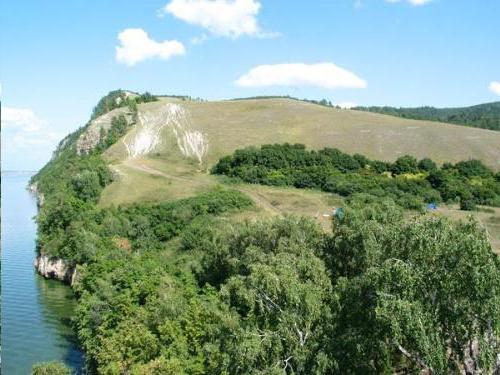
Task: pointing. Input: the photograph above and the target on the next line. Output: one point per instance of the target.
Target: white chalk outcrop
(55, 268)
(191, 142)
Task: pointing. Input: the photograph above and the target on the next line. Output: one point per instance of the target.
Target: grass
(228, 125)
(234, 124)
(158, 178)
(490, 220)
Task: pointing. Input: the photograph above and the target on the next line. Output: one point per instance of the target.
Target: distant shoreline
(17, 173)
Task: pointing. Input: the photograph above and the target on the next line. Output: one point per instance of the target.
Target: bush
(427, 165)
(473, 168)
(467, 205)
(87, 186)
(50, 368)
(405, 164)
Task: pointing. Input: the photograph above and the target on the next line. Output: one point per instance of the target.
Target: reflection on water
(35, 312)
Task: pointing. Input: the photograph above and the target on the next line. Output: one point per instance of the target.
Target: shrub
(427, 165)
(467, 205)
(405, 164)
(50, 368)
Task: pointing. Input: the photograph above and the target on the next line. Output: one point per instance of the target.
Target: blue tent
(432, 206)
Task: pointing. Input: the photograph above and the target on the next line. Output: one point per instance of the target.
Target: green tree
(427, 165)
(87, 186)
(420, 292)
(405, 164)
(50, 368)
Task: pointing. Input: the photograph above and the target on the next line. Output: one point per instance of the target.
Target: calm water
(35, 311)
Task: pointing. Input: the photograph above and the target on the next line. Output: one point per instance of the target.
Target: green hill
(486, 116)
(183, 260)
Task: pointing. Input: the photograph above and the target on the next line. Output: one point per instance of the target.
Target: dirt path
(261, 201)
(141, 167)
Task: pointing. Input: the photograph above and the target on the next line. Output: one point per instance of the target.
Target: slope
(486, 116)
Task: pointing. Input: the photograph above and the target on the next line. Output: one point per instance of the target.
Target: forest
(486, 116)
(411, 183)
(181, 288)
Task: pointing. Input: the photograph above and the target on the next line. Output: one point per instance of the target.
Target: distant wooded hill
(486, 116)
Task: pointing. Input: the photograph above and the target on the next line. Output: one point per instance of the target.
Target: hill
(227, 125)
(168, 153)
(189, 273)
(486, 116)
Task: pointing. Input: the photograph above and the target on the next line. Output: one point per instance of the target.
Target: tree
(423, 291)
(473, 168)
(50, 368)
(87, 186)
(405, 164)
(427, 165)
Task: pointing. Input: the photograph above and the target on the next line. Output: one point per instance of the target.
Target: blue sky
(57, 58)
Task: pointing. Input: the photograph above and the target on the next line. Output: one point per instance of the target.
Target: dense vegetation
(378, 295)
(50, 368)
(120, 98)
(409, 182)
(177, 288)
(485, 116)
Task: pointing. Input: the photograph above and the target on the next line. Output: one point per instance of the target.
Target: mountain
(486, 116)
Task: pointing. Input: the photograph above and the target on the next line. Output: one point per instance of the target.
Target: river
(35, 311)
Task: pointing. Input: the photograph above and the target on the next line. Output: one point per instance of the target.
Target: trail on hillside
(259, 199)
(191, 142)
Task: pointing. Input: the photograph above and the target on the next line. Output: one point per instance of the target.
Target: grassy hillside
(486, 116)
(166, 173)
(235, 124)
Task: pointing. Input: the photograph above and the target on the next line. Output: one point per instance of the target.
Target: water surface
(35, 311)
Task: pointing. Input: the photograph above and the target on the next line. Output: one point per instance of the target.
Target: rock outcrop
(40, 198)
(91, 137)
(55, 268)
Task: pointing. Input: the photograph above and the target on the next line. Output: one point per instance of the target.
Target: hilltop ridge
(486, 116)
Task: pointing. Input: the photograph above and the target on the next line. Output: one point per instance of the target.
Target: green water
(35, 311)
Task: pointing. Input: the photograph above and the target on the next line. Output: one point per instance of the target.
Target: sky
(58, 57)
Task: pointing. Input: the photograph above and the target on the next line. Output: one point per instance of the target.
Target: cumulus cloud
(412, 2)
(23, 128)
(228, 18)
(136, 46)
(22, 119)
(495, 87)
(325, 75)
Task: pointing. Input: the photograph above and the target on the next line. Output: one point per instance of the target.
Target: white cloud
(21, 118)
(412, 2)
(47, 139)
(229, 18)
(23, 128)
(495, 87)
(136, 46)
(325, 75)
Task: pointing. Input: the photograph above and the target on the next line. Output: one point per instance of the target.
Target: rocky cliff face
(40, 199)
(91, 137)
(55, 268)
